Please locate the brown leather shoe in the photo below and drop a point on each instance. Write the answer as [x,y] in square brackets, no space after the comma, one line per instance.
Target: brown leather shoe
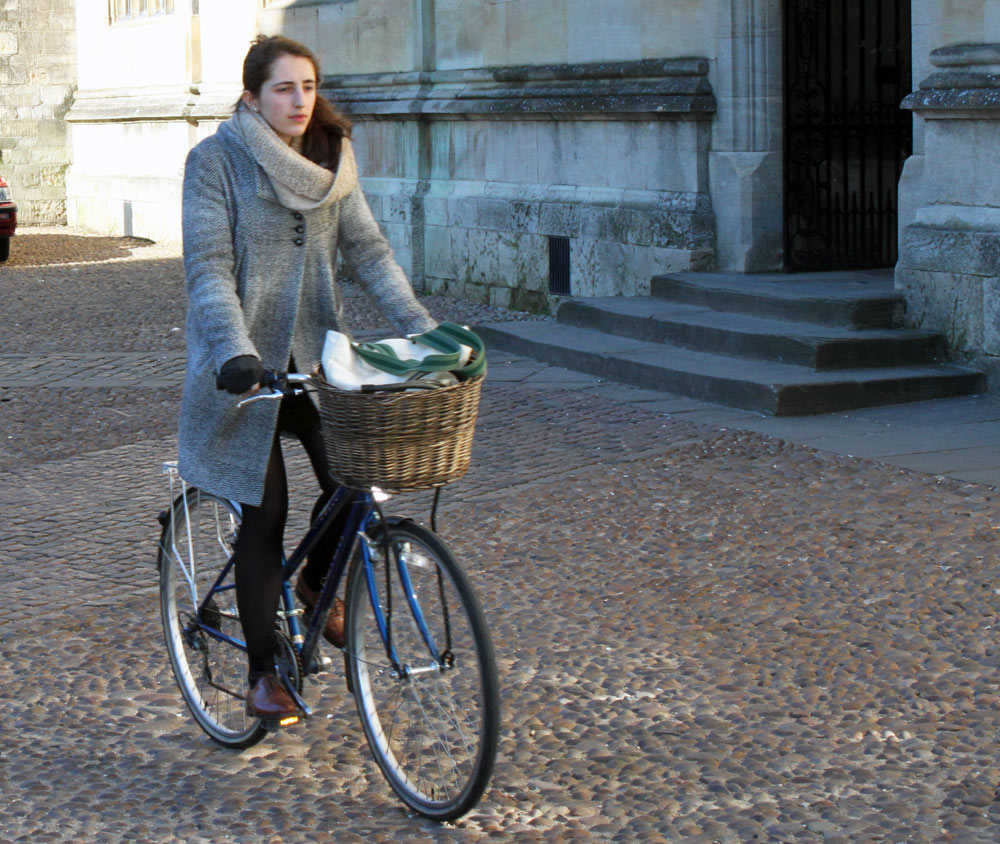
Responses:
[333,632]
[268,699]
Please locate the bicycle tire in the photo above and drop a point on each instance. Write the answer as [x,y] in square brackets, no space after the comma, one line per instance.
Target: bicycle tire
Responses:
[434,730]
[210,671]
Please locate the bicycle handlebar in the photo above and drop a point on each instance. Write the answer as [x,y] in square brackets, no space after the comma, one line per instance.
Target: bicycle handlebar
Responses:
[285,384]
[284,380]
[281,385]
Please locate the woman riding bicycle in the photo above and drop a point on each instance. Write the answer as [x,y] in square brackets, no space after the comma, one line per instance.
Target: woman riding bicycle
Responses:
[268,201]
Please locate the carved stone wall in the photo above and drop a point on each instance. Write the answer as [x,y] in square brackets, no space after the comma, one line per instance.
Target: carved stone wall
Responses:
[473,172]
[37,81]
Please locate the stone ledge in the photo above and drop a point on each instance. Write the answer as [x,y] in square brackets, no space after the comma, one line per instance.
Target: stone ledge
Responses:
[964,55]
[662,88]
[124,105]
[956,90]
[982,218]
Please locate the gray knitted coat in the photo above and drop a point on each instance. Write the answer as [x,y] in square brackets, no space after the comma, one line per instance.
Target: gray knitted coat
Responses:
[261,280]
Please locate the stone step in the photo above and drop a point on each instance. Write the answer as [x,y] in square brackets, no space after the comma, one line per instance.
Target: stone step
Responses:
[845,299]
[778,389]
[703,329]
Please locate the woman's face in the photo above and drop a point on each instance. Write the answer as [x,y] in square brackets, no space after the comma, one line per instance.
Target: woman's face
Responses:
[288,96]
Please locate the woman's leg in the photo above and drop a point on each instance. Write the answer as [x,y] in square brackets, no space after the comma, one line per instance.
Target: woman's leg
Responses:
[300,417]
[258,552]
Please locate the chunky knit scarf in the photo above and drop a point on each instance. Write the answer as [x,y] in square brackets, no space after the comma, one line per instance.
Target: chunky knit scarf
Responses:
[299,183]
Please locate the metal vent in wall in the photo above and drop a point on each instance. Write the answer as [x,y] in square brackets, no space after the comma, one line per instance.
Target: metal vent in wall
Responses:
[559,265]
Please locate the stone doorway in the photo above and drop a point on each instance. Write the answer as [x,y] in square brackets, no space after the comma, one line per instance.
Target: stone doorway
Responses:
[847,67]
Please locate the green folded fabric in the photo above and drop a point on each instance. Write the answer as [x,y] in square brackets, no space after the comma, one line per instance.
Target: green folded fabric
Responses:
[447,339]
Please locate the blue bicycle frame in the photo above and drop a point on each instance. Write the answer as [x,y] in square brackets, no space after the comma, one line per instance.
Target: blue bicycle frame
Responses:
[363,511]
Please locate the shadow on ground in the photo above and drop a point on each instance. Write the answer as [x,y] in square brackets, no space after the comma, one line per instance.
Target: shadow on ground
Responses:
[35,250]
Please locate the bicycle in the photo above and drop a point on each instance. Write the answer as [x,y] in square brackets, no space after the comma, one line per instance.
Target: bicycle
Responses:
[417,656]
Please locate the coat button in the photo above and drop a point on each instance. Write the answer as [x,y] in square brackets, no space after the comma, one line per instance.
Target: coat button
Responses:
[297,215]
[299,241]
[300,229]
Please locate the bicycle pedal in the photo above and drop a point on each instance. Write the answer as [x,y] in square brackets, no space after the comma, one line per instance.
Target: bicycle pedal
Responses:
[304,710]
[320,663]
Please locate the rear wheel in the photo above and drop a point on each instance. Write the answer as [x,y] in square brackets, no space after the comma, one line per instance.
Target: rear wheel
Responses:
[4,248]
[431,715]
[201,622]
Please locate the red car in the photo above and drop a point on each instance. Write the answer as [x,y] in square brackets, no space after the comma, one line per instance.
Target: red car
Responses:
[8,219]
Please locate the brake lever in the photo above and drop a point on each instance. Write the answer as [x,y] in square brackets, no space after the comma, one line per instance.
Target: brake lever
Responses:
[274,394]
[280,384]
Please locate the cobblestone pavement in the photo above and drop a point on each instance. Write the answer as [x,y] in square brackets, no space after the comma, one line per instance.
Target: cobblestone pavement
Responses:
[704,635]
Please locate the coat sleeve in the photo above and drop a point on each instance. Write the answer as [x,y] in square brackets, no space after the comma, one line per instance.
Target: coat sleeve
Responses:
[209,266]
[369,258]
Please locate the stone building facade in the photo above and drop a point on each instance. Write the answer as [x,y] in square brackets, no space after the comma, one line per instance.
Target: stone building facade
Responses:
[515,150]
[37,84]
[496,139]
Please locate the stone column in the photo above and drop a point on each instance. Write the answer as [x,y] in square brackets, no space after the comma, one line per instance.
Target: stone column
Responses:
[746,159]
[949,260]
[37,81]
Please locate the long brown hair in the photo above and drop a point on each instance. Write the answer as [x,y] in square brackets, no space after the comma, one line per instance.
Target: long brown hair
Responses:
[321,141]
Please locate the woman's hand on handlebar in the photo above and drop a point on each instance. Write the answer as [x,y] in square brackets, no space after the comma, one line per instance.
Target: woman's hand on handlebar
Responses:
[239,375]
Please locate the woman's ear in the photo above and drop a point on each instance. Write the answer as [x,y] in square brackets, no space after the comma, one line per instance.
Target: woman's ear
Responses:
[249,100]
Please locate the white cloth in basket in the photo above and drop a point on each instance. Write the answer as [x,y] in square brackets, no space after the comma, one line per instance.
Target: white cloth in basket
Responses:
[346,370]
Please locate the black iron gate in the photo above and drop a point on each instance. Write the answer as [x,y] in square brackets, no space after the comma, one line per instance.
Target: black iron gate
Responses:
[847,68]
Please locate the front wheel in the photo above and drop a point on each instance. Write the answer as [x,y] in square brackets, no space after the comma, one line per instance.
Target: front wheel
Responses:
[430,707]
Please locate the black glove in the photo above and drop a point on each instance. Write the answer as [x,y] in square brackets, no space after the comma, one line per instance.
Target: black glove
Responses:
[239,374]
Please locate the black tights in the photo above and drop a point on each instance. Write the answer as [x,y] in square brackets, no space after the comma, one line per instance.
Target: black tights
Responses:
[258,548]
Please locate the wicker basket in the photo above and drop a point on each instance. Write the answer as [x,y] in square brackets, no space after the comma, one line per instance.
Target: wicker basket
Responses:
[399,441]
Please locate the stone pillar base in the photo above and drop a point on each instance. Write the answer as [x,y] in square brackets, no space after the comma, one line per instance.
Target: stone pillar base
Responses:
[748,210]
[949,252]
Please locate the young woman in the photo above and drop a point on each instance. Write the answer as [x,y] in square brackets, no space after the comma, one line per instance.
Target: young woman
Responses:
[268,201]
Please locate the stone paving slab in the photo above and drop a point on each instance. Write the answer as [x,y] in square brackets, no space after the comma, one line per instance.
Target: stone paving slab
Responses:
[928,414]
[988,477]
[915,441]
[952,462]
[811,429]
